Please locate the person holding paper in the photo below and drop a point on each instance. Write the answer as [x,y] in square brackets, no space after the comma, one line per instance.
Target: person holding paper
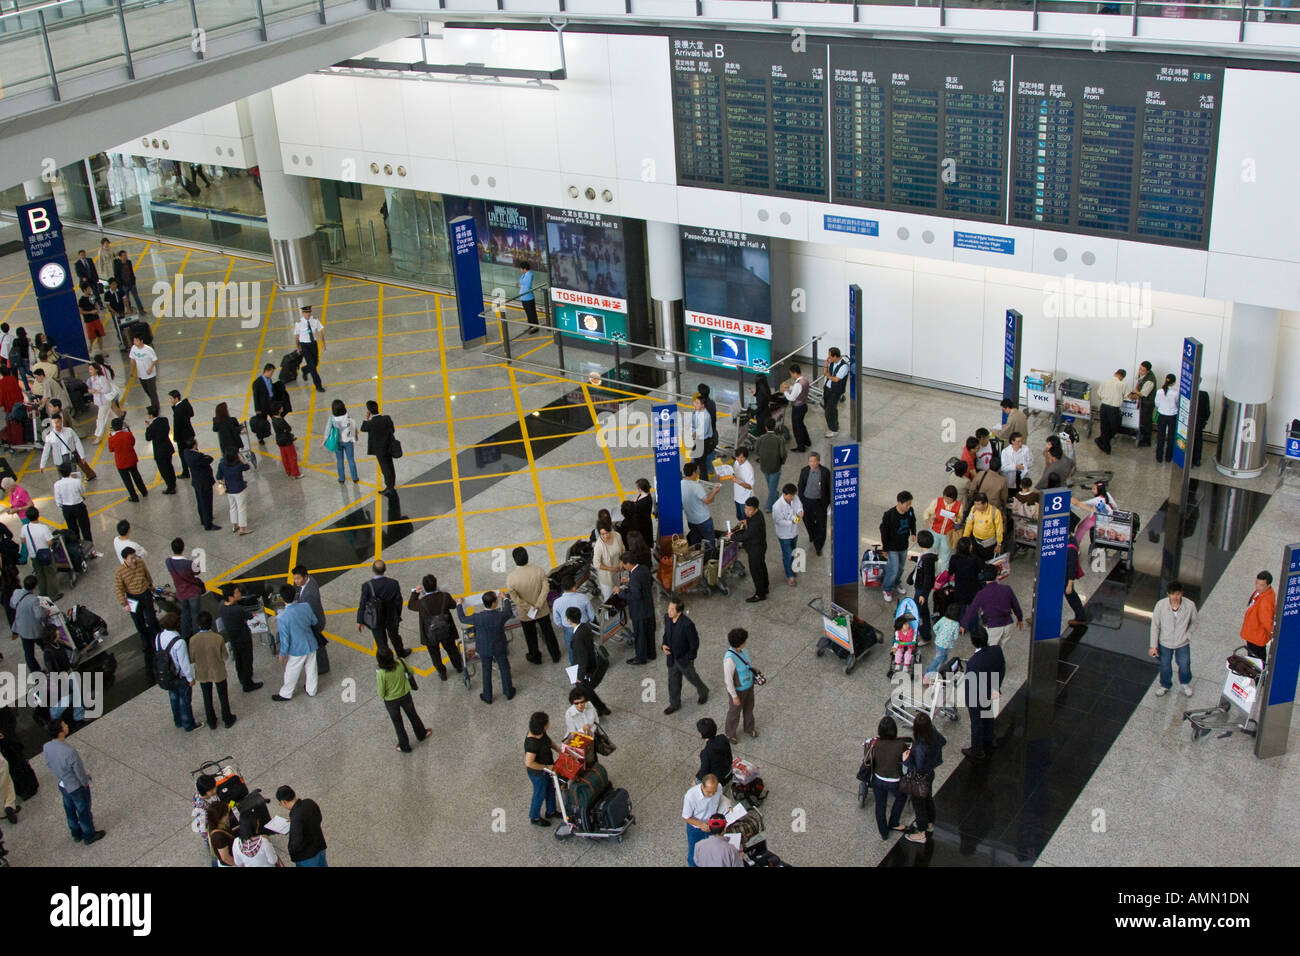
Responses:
[490,639]
[700,804]
[527,587]
[590,665]
[742,479]
[571,597]
[640,597]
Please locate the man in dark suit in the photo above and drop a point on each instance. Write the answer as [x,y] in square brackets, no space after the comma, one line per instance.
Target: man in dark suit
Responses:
[681,645]
[985,672]
[124,273]
[489,624]
[182,424]
[640,596]
[158,434]
[387,595]
[815,494]
[379,429]
[643,506]
[752,535]
[87,273]
[309,594]
[591,665]
[1202,419]
[199,466]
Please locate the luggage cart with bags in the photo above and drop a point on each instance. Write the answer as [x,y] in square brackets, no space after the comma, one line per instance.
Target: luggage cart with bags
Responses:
[845,635]
[1242,679]
[1116,532]
[590,807]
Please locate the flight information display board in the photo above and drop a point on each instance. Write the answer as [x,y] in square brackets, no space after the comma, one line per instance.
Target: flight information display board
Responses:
[1116,145]
[751,115]
[921,130]
[1127,152]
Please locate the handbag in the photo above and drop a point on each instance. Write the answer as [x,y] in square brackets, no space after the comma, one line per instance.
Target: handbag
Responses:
[604,746]
[219,486]
[394,449]
[913,784]
[410,675]
[332,439]
[868,762]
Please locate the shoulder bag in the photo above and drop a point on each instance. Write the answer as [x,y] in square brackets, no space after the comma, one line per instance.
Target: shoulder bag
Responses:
[332,438]
[410,674]
[41,557]
[913,784]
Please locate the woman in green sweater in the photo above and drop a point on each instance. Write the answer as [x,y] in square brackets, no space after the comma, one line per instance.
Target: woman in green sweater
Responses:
[396,681]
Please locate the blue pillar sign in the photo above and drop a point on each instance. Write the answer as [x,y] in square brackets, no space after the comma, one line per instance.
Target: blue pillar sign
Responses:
[668,470]
[1279,687]
[469,281]
[1187,385]
[52,277]
[1011,358]
[1049,590]
[844,505]
[855,315]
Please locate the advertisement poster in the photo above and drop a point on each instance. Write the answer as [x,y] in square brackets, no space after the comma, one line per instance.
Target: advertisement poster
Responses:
[507,233]
[728,298]
[589,285]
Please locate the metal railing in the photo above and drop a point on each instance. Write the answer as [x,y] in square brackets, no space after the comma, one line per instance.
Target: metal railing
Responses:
[46,45]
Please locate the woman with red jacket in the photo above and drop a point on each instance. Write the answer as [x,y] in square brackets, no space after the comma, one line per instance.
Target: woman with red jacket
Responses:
[1257,627]
[122,444]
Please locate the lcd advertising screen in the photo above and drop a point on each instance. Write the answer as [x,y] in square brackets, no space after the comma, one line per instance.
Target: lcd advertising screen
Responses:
[728,298]
[507,233]
[589,284]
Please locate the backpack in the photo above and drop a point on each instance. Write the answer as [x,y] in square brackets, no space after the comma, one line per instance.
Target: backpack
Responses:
[995,461]
[440,631]
[372,609]
[165,671]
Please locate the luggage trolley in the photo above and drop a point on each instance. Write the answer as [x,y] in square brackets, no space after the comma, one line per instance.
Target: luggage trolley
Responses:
[1243,677]
[571,825]
[1116,532]
[701,570]
[845,635]
[904,706]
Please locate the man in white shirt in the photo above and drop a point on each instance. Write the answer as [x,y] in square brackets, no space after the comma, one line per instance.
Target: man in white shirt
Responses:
[837,379]
[1110,396]
[787,510]
[122,541]
[1017,459]
[700,803]
[70,496]
[742,479]
[796,391]
[309,340]
[61,444]
[169,641]
[145,361]
[39,537]
[571,597]
[6,341]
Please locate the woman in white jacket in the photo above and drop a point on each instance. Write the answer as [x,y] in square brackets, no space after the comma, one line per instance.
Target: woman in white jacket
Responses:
[341,422]
[105,393]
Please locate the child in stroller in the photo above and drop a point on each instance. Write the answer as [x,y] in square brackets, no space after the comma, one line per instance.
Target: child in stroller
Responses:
[904,644]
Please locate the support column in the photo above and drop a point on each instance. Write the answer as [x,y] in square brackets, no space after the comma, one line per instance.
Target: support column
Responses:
[37,189]
[664,260]
[1247,389]
[288,204]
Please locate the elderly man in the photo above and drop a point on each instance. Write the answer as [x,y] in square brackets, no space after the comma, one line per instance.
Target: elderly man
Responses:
[297,637]
[701,802]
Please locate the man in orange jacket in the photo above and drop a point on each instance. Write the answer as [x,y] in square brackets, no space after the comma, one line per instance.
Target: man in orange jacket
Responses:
[1257,627]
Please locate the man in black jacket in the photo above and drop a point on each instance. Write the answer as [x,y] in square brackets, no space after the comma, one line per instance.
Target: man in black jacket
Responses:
[87,273]
[715,758]
[985,672]
[306,838]
[752,535]
[380,432]
[640,596]
[926,572]
[380,609]
[897,529]
[158,434]
[489,624]
[815,494]
[182,424]
[202,479]
[591,665]
[681,645]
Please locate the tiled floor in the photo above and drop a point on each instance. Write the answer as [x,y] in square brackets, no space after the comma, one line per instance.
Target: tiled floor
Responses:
[461,798]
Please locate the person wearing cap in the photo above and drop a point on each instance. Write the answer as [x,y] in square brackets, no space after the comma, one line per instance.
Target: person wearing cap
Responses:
[1261,607]
[309,339]
[716,849]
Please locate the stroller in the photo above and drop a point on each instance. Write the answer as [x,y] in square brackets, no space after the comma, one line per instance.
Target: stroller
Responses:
[907,610]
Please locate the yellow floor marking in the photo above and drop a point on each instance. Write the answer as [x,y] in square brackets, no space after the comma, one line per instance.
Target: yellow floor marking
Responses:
[532,471]
[455,464]
[609,459]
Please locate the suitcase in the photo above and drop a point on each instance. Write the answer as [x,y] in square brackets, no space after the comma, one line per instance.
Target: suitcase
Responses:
[612,810]
[230,785]
[289,366]
[253,805]
[587,787]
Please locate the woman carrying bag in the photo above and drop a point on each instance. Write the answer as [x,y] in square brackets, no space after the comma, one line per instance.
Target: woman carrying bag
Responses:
[396,681]
[340,438]
[919,764]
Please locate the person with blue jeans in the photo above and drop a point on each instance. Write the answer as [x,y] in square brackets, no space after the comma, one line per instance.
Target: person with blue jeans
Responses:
[1173,621]
[490,639]
[306,839]
[771,453]
[169,641]
[571,597]
[345,430]
[886,772]
[897,530]
[74,784]
[539,755]
[786,513]
[701,802]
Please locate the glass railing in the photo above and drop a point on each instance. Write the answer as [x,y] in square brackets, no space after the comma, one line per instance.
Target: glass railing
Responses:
[44,46]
